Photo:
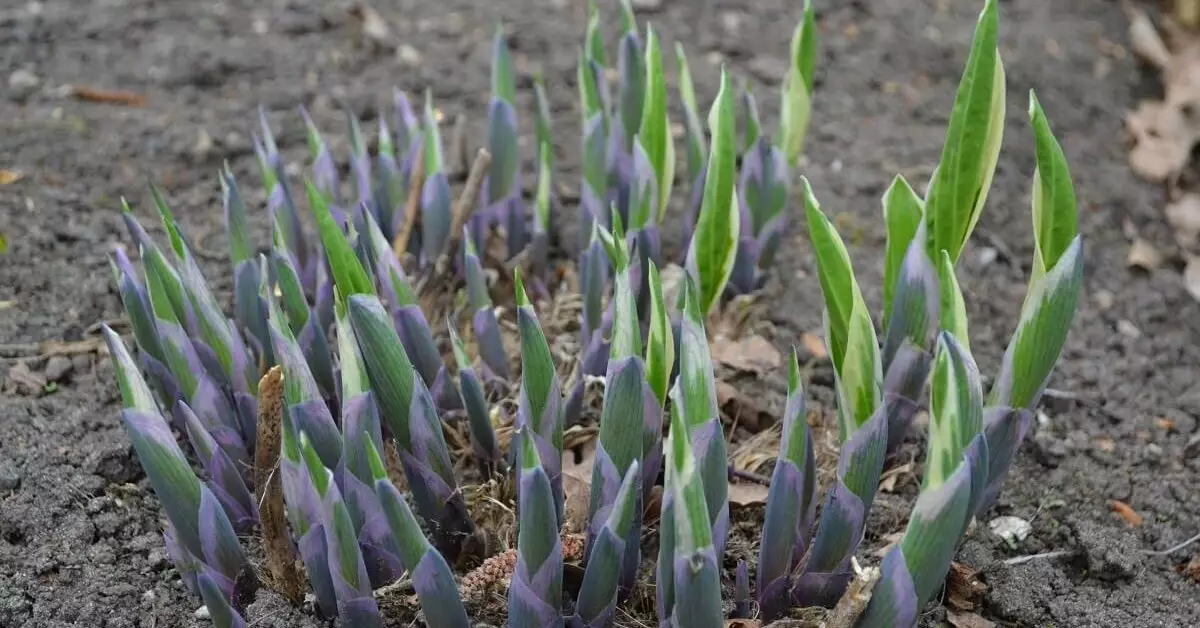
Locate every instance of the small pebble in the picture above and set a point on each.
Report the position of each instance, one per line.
(1104, 299)
(1012, 529)
(23, 81)
(201, 613)
(57, 368)
(1128, 329)
(1153, 453)
(149, 595)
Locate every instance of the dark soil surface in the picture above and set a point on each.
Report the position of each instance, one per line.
(79, 528)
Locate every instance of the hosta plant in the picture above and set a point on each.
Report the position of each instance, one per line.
(368, 393)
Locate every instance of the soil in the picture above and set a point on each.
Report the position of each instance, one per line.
(79, 529)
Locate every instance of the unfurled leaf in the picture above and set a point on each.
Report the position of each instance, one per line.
(853, 346)
(655, 132)
(713, 249)
(796, 103)
(1055, 222)
(504, 82)
(751, 127)
(697, 151)
(1035, 346)
(902, 213)
(348, 272)
(631, 87)
(964, 174)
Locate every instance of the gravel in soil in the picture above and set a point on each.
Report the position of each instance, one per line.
(79, 529)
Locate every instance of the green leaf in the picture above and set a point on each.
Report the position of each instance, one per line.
(952, 307)
(353, 369)
(594, 40)
(542, 195)
(321, 477)
(693, 530)
(1055, 222)
(240, 248)
(348, 273)
(589, 92)
(655, 133)
(854, 348)
(695, 381)
(433, 139)
(660, 346)
(1045, 320)
(902, 213)
(135, 394)
(960, 187)
(697, 148)
(796, 105)
(504, 83)
(714, 244)
(626, 333)
(753, 126)
(628, 22)
(168, 221)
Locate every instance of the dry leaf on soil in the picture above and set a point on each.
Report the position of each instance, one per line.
(1126, 512)
(814, 345)
(968, 620)
(1184, 217)
(747, 493)
(740, 408)
(752, 354)
(1143, 255)
(577, 486)
(1165, 131)
(964, 589)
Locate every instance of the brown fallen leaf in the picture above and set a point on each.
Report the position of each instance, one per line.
(1192, 568)
(964, 589)
(577, 486)
(752, 354)
(1164, 423)
(1164, 131)
(1126, 512)
(23, 381)
(109, 96)
(740, 408)
(887, 482)
(747, 493)
(1143, 255)
(1105, 444)
(1184, 217)
(814, 345)
(968, 620)
(8, 177)
(742, 623)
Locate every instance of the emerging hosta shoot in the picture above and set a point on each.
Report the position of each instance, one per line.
(958, 461)
(713, 248)
(502, 202)
(862, 416)
(791, 503)
(694, 574)
(535, 593)
(539, 413)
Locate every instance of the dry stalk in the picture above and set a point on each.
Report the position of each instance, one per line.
(285, 577)
(411, 204)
